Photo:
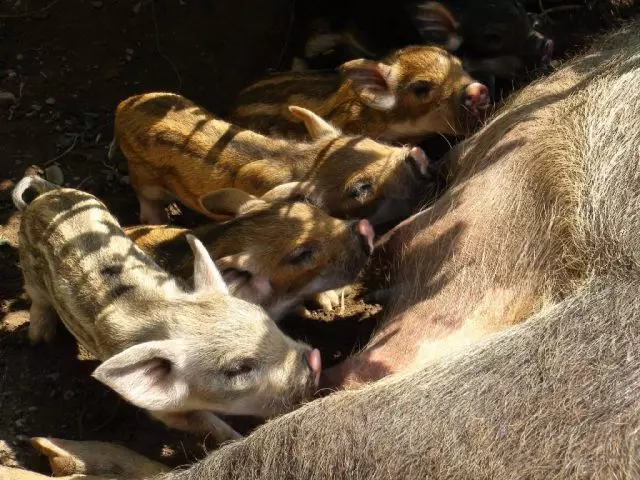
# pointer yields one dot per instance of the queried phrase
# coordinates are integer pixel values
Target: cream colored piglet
(181, 353)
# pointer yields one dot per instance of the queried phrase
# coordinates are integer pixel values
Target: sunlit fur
(263, 105)
(175, 147)
(544, 210)
(261, 244)
(541, 224)
(524, 220)
(79, 266)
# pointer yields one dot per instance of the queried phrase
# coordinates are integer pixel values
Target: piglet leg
(42, 322)
(68, 457)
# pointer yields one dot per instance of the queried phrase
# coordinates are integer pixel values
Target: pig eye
(240, 368)
(301, 255)
(421, 88)
(361, 190)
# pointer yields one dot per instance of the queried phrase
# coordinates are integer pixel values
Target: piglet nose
(420, 160)
(314, 362)
(365, 230)
(476, 95)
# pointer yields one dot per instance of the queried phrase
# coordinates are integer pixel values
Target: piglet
(178, 352)
(275, 254)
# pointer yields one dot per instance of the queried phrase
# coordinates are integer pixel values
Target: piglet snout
(476, 97)
(365, 231)
(419, 160)
(314, 362)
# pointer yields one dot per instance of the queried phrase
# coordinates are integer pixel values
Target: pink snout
(314, 361)
(476, 97)
(420, 160)
(365, 230)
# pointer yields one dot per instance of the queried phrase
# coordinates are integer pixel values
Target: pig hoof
(331, 299)
(42, 324)
(328, 300)
(303, 312)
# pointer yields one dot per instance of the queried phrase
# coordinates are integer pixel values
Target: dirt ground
(68, 63)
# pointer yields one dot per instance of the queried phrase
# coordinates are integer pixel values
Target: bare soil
(68, 63)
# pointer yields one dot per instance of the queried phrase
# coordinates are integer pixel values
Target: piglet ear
(371, 81)
(244, 278)
(293, 191)
(315, 125)
(206, 277)
(437, 25)
(149, 375)
(229, 202)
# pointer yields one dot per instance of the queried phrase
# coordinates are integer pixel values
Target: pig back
(172, 144)
(263, 106)
(76, 258)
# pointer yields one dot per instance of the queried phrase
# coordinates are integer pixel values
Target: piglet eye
(421, 88)
(361, 190)
(241, 368)
(301, 255)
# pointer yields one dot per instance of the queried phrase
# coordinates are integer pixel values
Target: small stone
(68, 394)
(36, 107)
(128, 58)
(53, 376)
(136, 8)
(22, 438)
(50, 101)
(7, 98)
(32, 409)
(20, 422)
(129, 51)
(125, 179)
(97, 4)
(54, 174)
(19, 57)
